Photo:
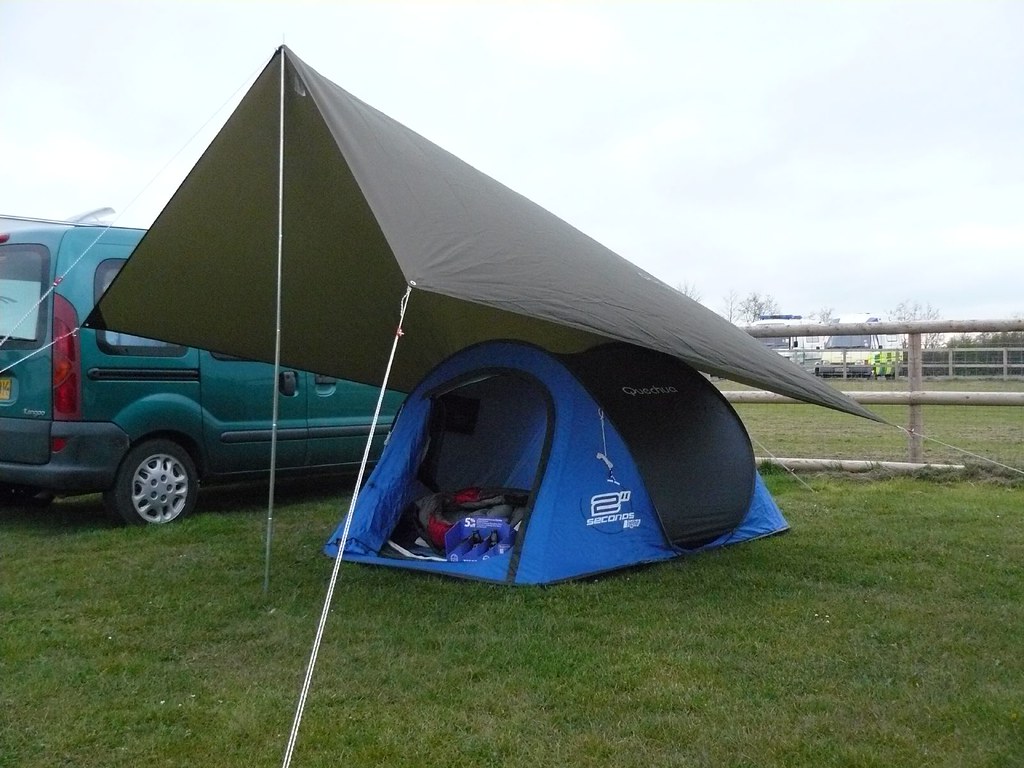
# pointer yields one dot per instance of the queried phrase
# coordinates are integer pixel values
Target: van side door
(238, 401)
(340, 413)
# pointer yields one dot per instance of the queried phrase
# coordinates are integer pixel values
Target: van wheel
(156, 483)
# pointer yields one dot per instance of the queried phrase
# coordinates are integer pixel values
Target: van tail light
(67, 362)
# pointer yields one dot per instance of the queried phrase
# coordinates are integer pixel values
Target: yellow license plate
(5, 389)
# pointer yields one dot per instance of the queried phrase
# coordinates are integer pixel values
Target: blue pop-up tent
(618, 455)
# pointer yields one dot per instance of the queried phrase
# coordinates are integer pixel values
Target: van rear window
(116, 343)
(24, 278)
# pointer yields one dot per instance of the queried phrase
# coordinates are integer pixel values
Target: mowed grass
(882, 630)
(970, 435)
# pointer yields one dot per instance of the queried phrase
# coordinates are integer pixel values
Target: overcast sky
(843, 155)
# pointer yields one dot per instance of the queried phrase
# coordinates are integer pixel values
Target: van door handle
(287, 383)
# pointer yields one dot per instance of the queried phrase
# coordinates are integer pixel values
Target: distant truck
(866, 355)
(796, 348)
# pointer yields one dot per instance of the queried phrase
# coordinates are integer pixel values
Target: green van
(142, 421)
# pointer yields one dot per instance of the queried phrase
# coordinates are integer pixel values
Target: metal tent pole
(277, 337)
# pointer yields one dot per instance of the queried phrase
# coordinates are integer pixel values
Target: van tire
(155, 484)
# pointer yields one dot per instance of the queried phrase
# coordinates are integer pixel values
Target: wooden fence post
(916, 382)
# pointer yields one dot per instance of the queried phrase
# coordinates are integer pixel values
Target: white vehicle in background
(799, 349)
(861, 355)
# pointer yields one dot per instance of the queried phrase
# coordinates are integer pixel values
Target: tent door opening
(483, 455)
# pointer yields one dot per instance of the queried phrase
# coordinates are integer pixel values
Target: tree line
(744, 310)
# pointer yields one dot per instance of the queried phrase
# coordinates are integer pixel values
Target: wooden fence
(915, 395)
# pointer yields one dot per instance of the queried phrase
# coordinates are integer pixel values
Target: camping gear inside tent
(508, 463)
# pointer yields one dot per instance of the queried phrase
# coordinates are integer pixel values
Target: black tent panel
(691, 447)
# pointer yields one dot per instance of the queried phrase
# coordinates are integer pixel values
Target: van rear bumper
(87, 462)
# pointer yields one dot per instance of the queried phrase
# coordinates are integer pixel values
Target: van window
(116, 343)
(776, 342)
(848, 342)
(24, 279)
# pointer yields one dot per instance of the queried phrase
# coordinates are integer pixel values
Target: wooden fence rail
(915, 396)
(925, 397)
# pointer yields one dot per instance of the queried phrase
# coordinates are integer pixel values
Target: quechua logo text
(648, 391)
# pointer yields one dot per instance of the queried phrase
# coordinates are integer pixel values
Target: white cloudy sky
(848, 155)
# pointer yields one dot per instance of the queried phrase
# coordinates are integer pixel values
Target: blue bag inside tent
(620, 455)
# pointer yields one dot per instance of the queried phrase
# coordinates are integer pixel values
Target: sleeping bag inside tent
(511, 464)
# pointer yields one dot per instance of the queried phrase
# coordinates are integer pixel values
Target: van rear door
(25, 375)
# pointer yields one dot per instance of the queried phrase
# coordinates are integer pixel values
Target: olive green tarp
(370, 208)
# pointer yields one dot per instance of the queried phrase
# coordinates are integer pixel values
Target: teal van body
(141, 421)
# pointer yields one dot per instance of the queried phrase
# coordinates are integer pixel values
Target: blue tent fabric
(533, 425)
(764, 518)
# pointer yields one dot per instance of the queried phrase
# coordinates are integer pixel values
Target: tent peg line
(318, 639)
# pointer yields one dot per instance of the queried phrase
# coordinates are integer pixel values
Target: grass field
(956, 434)
(882, 630)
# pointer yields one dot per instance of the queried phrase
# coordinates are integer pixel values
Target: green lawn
(955, 434)
(883, 630)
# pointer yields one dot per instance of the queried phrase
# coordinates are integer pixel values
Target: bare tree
(689, 290)
(730, 306)
(756, 305)
(824, 315)
(908, 311)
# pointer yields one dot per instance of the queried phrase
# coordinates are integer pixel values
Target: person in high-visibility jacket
(884, 363)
